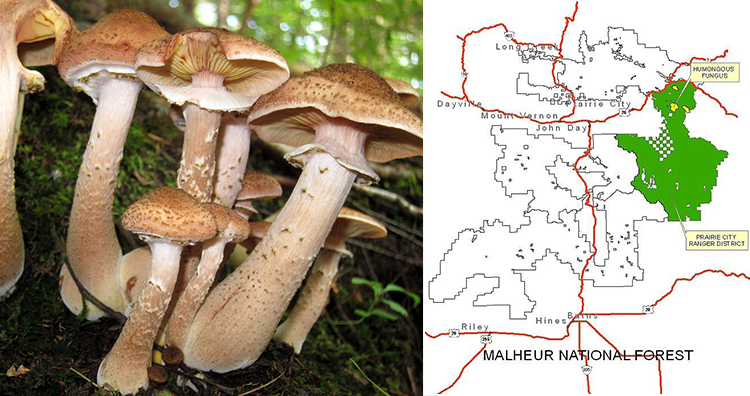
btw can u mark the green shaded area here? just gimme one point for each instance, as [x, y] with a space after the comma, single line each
[674, 169]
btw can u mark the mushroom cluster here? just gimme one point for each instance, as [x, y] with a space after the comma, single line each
[222, 89]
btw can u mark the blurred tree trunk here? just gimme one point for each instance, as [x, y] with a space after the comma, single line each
[340, 43]
[222, 10]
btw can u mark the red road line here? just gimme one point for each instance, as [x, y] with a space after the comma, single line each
[658, 367]
[695, 58]
[716, 100]
[568, 20]
[600, 335]
[562, 119]
[616, 314]
[588, 384]
[732, 274]
[464, 368]
[593, 214]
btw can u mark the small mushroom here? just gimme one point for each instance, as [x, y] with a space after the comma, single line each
[167, 219]
[312, 299]
[255, 185]
[341, 115]
[408, 94]
[33, 33]
[99, 62]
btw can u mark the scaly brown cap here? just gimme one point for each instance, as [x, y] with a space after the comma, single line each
[290, 114]
[229, 223]
[248, 68]
[169, 213]
[108, 45]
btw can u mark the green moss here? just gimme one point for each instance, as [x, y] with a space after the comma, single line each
[63, 353]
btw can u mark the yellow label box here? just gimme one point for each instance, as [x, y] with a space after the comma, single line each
[716, 240]
[714, 72]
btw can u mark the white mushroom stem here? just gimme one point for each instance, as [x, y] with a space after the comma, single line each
[311, 301]
[198, 163]
[195, 292]
[11, 238]
[240, 315]
[232, 153]
[16, 80]
[125, 366]
[92, 246]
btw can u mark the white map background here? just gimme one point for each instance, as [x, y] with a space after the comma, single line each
[708, 314]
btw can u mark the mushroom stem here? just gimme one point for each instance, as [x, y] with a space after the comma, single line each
[311, 301]
[232, 152]
[93, 248]
[195, 292]
[125, 366]
[11, 237]
[239, 317]
[198, 163]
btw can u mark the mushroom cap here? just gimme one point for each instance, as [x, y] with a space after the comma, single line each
[258, 185]
[352, 224]
[169, 213]
[108, 45]
[245, 208]
[259, 228]
[172, 355]
[247, 67]
[290, 114]
[408, 94]
[42, 30]
[228, 223]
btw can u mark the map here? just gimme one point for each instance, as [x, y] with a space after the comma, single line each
[587, 219]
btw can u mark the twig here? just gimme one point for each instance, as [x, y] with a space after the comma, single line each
[222, 388]
[389, 196]
[264, 385]
[120, 318]
[384, 219]
[396, 230]
[395, 172]
[384, 252]
[84, 377]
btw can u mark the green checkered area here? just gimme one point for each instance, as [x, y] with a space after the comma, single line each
[662, 144]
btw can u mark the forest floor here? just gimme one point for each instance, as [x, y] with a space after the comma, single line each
[60, 353]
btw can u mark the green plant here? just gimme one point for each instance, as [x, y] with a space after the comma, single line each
[378, 296]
